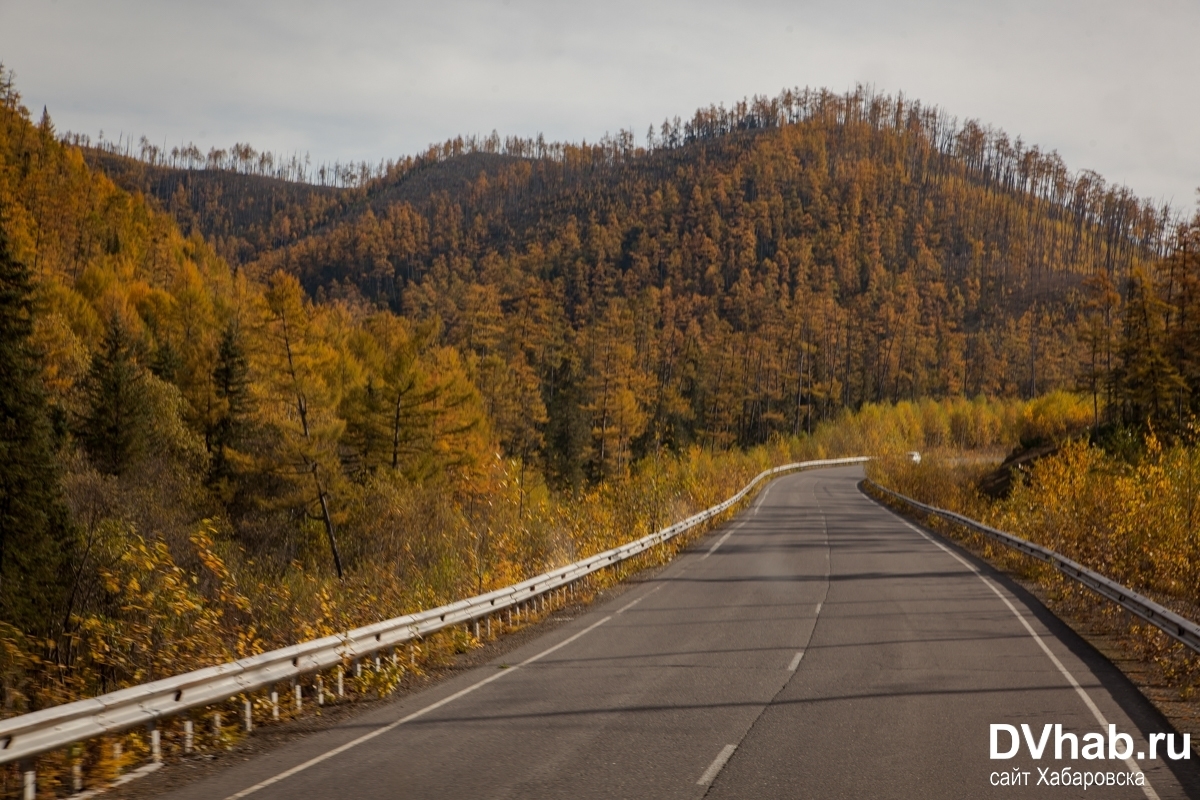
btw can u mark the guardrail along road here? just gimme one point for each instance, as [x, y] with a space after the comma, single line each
[815, 646]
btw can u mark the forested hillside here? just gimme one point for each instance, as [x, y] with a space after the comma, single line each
[181, 443]
[748, 274]
[240, 410]
[240, 215]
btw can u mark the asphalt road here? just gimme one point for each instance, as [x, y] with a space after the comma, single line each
[815, 647]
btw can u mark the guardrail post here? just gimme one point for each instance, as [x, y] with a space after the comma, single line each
[77, 775]
[189, 736]
[117, 751]
[320, 691]
[217, 723]
[29, 780]
[412, 654]
[475, 622]
[299, 692]
[155, 743]
[357, 668]
[274, 705]
[248, 712]
[341, 681]
[378, 662]
[489, 626]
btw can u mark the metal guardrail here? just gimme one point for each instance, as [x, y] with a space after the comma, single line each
[29, 735]
[1170, 623]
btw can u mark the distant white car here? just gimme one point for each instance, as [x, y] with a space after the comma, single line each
[914, 457]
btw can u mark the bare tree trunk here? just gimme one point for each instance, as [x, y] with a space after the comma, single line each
[337, 558]
[313, 466]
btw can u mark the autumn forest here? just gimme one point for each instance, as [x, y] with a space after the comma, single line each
[247, 400]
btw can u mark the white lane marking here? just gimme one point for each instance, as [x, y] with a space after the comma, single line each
[825, 528]
[312, 762]
[730, 532]
[828, 555]
[628, 606]
[1130, 762]
[721, 541]
[762, 497]
[715, 767]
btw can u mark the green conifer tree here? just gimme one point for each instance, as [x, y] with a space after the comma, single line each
[113, 430]
[36, 542]
[231, 380]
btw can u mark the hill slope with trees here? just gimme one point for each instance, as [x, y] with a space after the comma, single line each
[240, 410]
[747, 274]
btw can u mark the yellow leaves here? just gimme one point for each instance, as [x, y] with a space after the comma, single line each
[1134, 524]
[202, 539]
[1055, 416]
[416, 412]
[417, 547]
[616, 382]
[159, 616]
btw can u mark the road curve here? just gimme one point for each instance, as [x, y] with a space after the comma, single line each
[815, 646]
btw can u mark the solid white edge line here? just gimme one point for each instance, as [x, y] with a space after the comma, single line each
[312, 762]
[729, 533]
[721, 541]
[628, 606]
[795, 661]
[715, 767]
[762, 497]
[1130, 762]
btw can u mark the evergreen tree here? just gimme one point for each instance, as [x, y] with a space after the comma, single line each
[231, 382]
[166, 362]
[113, 431]
[567, 431]
[36, 543]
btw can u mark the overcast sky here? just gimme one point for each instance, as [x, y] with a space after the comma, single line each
[1113, 86]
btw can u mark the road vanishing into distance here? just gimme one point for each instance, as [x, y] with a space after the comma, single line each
[816, 646]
